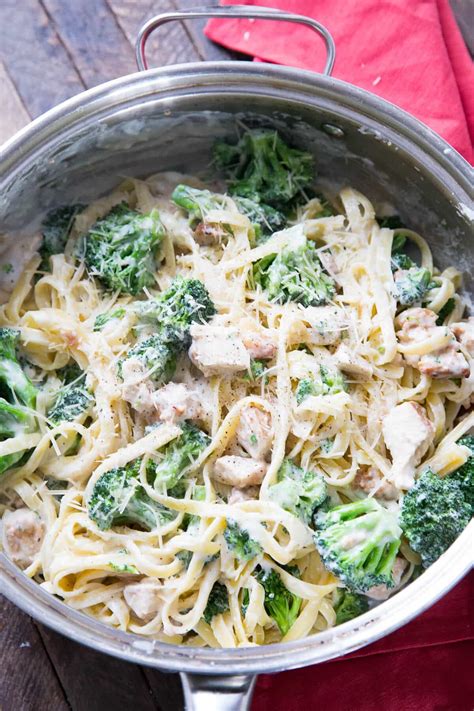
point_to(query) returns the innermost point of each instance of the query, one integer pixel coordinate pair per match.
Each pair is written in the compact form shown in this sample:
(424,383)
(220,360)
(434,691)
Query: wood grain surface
(49,51)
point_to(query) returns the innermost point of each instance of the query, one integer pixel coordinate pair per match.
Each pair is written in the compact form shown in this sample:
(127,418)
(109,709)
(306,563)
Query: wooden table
(49,51)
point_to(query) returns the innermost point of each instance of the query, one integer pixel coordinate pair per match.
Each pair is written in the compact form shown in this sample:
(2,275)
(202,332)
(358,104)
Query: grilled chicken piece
(259,341)
(143,598)
(206,233)
(175,402)
(236,496)
(464,332)
(369,479)
(22,536)
(240,472)
(137,388)
(408,434)
(327,324)
(218,350)
(419,325)
(351,363)
(255,433)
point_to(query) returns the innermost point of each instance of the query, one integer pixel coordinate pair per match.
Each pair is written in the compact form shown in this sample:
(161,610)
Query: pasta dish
(233,411)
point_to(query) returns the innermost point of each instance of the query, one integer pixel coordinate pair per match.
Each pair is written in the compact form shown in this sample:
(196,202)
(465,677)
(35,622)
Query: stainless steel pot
(168,119)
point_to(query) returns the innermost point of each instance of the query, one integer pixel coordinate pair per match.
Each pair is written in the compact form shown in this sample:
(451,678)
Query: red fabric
(409,52)
(425,666)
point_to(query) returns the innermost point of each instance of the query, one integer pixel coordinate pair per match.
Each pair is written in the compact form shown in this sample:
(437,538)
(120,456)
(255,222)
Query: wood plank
(166,688)
(28,678)
(94,681)
(195,28)
(464,13)
(93,38)
(14,114)
(35,59)
(170,45)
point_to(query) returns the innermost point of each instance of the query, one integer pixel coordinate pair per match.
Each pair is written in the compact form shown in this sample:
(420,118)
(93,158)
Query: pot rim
(198,77)
(388,123)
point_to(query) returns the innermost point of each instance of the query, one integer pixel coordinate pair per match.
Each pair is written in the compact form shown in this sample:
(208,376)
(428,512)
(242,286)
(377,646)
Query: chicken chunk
(143,598)
(137,388)
(369,479)
(255,433)
(419,325)
(382,592)
(240,472)
(464,332)
(327,324)
(259,341)
(22,534)
(218,350)
(236,496)
(206,233)
(175,402)
(351,363)
(408,434)
(448,362)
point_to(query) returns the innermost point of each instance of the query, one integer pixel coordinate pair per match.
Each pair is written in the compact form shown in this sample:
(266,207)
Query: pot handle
(217,693)
(233,11)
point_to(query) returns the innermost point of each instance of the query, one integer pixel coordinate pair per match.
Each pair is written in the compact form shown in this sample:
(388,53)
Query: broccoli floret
(12,378)
(70,404)
(16,417)
(327,444)
(240,542)
(71,373)
(102,319)
(393,222)
(400,260)
(298,490)
(178,455)
(263,168)
(358,542)
(295,274)
(119,499)
(434,513)
(331,382)
(349,605)
(464,475)
(191,521)
(198,203)
(157,357)
(172,313)
(445,311)
(217,602)
(56,229)
(264,218)
(305,388)
(14,421)
(327,209)
(120,249)
(279,603)
(412,285)
(257,371)
(73,400)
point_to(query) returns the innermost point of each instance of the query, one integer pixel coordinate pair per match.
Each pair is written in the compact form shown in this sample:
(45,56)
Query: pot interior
(169,120)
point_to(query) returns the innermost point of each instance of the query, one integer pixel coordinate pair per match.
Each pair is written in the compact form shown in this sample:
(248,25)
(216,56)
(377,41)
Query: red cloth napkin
(409,52)
(425,666)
